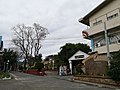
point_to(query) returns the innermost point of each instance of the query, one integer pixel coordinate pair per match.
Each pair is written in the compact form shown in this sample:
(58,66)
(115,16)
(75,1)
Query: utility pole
(107,43)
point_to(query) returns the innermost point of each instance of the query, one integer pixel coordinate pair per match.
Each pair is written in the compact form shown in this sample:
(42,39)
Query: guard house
(104,27)
(77,58)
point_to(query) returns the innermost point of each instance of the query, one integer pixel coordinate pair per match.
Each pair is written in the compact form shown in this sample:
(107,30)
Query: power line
(61,38)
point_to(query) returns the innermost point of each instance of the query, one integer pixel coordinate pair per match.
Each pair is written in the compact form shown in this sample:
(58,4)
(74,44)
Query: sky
(60,17)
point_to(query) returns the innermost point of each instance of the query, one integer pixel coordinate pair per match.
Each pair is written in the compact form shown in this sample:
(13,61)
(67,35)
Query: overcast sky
(60,17)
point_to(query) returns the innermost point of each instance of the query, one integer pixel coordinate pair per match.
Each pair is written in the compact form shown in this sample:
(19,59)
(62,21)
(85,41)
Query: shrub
(4,74)
(114,69)
(38,65)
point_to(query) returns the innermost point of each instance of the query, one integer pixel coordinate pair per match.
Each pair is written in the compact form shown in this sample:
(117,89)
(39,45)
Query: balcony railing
(113,23)
(112,47)
(95,29)
(101,27)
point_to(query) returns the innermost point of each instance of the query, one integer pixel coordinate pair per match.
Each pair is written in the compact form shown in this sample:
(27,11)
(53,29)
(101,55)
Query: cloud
(60,17)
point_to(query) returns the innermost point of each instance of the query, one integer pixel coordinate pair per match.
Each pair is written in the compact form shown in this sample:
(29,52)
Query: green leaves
(66,52)
(70,49)
(10,55)
(114,70)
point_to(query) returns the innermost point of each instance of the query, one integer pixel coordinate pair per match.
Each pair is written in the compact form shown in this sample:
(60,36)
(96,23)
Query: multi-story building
(104,27)
(103,19)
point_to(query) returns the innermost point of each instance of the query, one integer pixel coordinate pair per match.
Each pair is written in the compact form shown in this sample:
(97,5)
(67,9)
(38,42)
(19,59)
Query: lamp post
(7,64)
(53,63)
(70,62)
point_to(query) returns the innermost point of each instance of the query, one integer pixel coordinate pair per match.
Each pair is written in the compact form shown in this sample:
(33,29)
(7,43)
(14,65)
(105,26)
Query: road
(30,82)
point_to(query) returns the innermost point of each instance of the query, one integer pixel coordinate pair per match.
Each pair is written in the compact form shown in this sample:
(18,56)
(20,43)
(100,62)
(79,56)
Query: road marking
(15,77)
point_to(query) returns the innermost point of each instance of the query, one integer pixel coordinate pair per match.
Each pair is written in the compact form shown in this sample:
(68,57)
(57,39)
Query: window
(115,38)
(112,16)
(100,42)
(98,22)
(118,41)
(1,52)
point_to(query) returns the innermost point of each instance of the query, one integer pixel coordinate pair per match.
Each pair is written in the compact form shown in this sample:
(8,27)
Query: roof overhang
(85,19)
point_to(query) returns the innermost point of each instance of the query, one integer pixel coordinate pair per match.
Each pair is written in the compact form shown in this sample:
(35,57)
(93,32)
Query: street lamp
(53,63)
(8,64)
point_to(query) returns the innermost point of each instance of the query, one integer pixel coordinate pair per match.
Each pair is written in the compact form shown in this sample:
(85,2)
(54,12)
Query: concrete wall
(110,23)
(110,7)
(95,67)
(103,14)
(112,47)
(97,79)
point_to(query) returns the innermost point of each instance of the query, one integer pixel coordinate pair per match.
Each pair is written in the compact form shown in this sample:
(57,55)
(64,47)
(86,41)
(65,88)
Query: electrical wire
(63,38)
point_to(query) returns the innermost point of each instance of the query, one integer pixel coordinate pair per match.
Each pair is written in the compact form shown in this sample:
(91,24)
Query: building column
(92,44)
(107,43)
(70,64)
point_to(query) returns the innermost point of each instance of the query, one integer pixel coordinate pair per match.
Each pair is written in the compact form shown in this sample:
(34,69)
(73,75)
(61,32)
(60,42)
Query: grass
(4,74)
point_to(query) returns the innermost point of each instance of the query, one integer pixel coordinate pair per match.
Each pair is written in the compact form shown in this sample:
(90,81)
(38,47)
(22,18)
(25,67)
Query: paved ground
(31,82)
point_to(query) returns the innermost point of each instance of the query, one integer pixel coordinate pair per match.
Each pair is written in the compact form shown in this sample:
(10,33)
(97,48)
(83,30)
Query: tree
(28,39)
(39,65)
(56,59)
(114,69)
(69,49)
(10,57)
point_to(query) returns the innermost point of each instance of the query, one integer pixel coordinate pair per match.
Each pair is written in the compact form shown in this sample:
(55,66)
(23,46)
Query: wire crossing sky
(60,17)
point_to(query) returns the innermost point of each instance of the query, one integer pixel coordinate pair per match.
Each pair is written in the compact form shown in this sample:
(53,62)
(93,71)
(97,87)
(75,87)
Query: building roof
(91,57)
(85,19)
(95,57)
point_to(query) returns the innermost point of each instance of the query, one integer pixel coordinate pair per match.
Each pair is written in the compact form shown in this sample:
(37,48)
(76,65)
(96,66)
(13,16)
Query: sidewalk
(67,78)
(70,78)
(51,73)
(99,85)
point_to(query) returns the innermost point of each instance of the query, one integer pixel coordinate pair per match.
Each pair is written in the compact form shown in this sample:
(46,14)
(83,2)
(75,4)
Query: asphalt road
(30,82)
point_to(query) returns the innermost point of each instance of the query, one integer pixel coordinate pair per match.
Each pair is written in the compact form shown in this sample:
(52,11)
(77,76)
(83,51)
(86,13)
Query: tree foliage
(69,49)
(66,52)
(38,65)
(114,69)
(56,59)
(28,39)
(12,56)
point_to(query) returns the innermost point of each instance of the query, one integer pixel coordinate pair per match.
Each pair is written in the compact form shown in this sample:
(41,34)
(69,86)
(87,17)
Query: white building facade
(104,27)
(78,56)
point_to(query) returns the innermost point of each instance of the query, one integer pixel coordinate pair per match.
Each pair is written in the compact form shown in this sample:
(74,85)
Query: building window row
(115,38)
(108,16)
(98,22)
(112,16)
(99,42)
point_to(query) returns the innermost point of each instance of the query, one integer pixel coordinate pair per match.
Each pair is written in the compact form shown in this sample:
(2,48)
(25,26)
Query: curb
(90,83)
(96,84)
(5,78)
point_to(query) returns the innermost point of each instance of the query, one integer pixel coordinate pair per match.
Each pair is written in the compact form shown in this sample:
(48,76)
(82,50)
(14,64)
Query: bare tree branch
(28,38)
